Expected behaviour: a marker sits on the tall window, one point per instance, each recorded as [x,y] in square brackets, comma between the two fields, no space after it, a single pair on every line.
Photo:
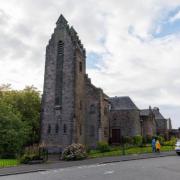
[92,109]
[49,129]
[59,73]
[57,128]
[80,66]
[60,48]
[65,128]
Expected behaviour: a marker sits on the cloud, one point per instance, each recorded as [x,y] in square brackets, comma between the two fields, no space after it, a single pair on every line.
[120,39]
[176,17]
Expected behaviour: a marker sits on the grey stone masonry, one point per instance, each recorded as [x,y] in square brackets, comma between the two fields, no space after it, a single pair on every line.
[58,127]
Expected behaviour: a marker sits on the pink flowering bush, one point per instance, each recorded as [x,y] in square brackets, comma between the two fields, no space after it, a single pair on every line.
[74,152]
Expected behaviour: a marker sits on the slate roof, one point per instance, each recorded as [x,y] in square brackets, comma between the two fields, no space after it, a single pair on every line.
[157,114]
[122,103]
[144,112]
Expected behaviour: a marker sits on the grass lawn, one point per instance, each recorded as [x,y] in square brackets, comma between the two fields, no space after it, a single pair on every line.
[117,151]
[8,162]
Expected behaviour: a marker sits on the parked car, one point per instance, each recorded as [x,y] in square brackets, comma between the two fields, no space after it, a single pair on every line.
[177,147]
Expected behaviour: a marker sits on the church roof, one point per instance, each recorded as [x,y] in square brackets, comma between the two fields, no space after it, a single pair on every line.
[157,114]
[144,112]
[122,103]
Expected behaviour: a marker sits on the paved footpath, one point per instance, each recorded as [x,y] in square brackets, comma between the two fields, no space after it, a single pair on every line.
[63,164]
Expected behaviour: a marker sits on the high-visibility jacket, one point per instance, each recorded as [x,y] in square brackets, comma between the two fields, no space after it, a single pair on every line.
[158,146]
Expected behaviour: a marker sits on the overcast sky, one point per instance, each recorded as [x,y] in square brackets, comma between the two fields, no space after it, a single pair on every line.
[133,46]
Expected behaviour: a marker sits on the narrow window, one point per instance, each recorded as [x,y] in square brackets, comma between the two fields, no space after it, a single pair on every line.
[57,101]
[49,129]
[92,108]
[57,128]
[80,66]
[65,129]
[60,48]
[59,73]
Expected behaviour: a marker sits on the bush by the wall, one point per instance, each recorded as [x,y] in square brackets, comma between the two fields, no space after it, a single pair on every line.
[148,139]
[127,140]
[161,139]
[137,140]
[171,142]
[26,158]
[32,153]
[103,146]
[74,152]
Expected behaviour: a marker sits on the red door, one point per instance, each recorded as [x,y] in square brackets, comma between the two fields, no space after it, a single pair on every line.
[116,136]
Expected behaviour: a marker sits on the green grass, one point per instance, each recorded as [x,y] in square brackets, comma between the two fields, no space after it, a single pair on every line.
[8,162]
[117,151]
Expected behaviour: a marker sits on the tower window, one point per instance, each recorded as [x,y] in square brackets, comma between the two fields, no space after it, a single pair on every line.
[57,101]
[49,129]
[57,128]
[59,73]
[80,66]
[65,129]
[92,108]
[60,48]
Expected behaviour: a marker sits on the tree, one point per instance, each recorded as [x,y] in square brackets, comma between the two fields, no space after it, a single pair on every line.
[13,131]
[27,103]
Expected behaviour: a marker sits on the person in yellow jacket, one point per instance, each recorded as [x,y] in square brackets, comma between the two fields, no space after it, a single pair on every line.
[158,146]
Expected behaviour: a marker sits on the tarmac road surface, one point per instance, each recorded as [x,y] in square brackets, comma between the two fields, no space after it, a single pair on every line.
[164,168]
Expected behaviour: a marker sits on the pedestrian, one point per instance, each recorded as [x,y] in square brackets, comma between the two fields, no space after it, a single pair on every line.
[153,145]
[158,146]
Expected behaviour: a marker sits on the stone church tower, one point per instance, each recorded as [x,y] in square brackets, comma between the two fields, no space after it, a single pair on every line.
[63,102]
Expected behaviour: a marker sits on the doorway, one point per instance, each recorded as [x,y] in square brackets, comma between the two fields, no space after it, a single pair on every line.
[116,136]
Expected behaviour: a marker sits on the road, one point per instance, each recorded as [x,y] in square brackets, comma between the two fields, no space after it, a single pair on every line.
[164,168]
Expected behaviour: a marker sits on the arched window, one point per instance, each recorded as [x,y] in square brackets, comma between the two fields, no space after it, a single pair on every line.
[57,128]
[49,129]
[65,129]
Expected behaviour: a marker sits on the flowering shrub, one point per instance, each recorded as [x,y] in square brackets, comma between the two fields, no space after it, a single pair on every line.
[74,152]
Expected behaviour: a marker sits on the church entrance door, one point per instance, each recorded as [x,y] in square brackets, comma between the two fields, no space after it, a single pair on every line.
[116,136]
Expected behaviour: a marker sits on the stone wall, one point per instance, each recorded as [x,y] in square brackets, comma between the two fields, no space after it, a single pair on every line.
[148,126]
[97,122]
[128,121]
[92,114]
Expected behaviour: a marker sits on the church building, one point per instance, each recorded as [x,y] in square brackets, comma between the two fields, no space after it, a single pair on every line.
[73,110]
